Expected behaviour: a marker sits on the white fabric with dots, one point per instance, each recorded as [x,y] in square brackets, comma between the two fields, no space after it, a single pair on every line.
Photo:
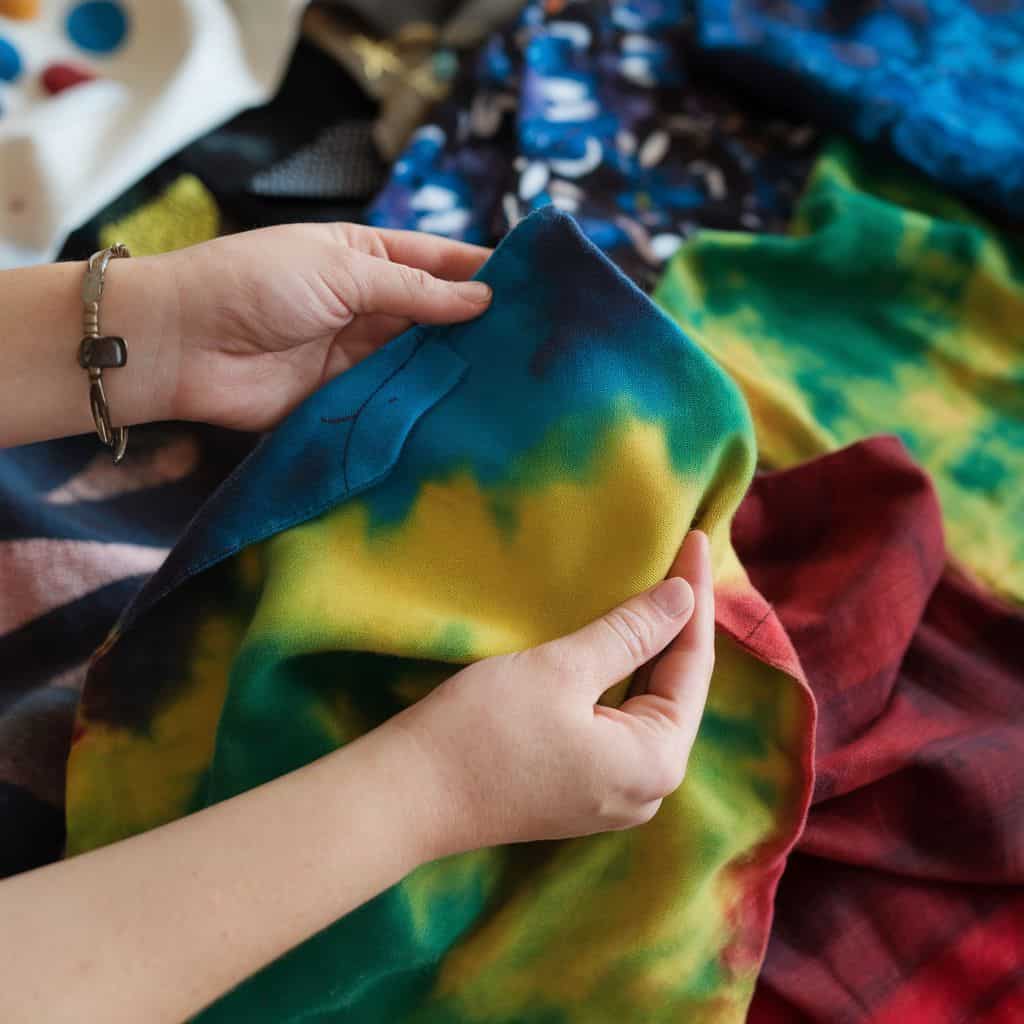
[178,69]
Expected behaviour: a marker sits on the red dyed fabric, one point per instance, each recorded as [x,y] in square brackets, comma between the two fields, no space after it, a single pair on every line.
[904,900]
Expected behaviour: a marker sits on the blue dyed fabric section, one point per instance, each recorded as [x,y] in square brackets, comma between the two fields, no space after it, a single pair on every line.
[594,108]
[939,81]
[347,436]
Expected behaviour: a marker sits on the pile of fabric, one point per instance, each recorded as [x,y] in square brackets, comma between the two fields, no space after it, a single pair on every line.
[761,271]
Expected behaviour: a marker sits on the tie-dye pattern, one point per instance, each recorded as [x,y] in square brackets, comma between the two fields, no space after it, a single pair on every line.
[891,308]
[523,473]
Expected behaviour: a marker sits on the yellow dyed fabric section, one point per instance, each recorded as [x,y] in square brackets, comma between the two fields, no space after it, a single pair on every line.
[556,478]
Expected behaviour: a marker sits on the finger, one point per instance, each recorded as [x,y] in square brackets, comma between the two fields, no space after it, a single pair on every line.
[367,284]
[609,649]
[678,684]
[442,257]
[365,334]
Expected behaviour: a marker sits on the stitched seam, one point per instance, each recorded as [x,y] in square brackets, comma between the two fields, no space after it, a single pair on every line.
[427,332]
[366,401]
[302,515]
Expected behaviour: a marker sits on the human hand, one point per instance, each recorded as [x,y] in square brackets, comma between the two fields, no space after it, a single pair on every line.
[521,750]
[266,317]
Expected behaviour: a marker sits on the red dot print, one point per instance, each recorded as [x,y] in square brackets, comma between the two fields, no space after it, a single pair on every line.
[58,77]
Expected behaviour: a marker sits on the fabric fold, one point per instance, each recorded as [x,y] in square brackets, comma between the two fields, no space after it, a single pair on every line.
[558,474]
[913,854]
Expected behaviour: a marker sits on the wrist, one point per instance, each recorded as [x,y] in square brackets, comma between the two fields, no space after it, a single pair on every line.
[141,304]
[418,790]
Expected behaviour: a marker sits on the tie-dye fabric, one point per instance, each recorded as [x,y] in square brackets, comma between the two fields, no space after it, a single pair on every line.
[941,82]
[595,108]
[890,308]
[466,491]
[904,900]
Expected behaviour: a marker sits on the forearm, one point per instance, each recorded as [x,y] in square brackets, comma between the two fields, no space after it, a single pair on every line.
[156,927]
[44,393]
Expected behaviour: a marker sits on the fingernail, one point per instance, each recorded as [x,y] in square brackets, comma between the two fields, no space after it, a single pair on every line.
[474,291]
[673,596]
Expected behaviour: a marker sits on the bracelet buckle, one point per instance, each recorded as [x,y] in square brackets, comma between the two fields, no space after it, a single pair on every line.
[98,352]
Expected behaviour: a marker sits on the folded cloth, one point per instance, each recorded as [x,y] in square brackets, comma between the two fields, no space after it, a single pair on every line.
[941,82]
[78,537]
[94,94]
[890,308]
[592,107]
[905,900]
[466,491]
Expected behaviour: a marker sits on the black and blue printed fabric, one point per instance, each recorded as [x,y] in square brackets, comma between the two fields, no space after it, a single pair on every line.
[598,109]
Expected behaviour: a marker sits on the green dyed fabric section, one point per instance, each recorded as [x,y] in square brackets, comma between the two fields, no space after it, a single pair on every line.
[501,482]
[890,308]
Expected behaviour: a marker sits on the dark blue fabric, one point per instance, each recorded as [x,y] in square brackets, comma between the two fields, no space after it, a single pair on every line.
[341,440]
[939,81]
[59,621]
[596,107]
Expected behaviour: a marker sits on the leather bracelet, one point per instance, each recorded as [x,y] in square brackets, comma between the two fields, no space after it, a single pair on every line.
[98,352]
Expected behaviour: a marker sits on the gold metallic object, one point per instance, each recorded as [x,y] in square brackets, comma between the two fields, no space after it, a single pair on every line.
[98,352]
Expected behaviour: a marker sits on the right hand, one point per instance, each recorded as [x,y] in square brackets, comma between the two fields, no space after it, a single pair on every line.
[519,749]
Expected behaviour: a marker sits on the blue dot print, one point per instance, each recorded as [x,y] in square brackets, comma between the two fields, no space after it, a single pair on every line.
[10,62]
[98,26]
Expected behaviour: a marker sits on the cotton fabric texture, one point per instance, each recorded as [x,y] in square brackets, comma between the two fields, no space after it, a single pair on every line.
[471,490]
[890,307]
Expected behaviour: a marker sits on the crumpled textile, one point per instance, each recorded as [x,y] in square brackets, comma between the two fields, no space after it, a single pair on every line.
[940,82]
[470,490]
[904,900]
[594,108]
[78,537]
[890,308]
[95,93]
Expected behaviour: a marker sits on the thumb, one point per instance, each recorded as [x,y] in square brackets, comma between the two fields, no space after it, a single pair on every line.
[380,286]
[618,643]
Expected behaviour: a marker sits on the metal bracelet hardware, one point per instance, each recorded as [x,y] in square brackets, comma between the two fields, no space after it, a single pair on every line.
[98,352]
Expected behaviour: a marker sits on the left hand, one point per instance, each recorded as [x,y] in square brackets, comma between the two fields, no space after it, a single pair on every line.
[266,317]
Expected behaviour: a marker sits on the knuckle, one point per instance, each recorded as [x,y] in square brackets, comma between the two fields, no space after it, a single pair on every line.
[349,288]
[416,280]
[634,632]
